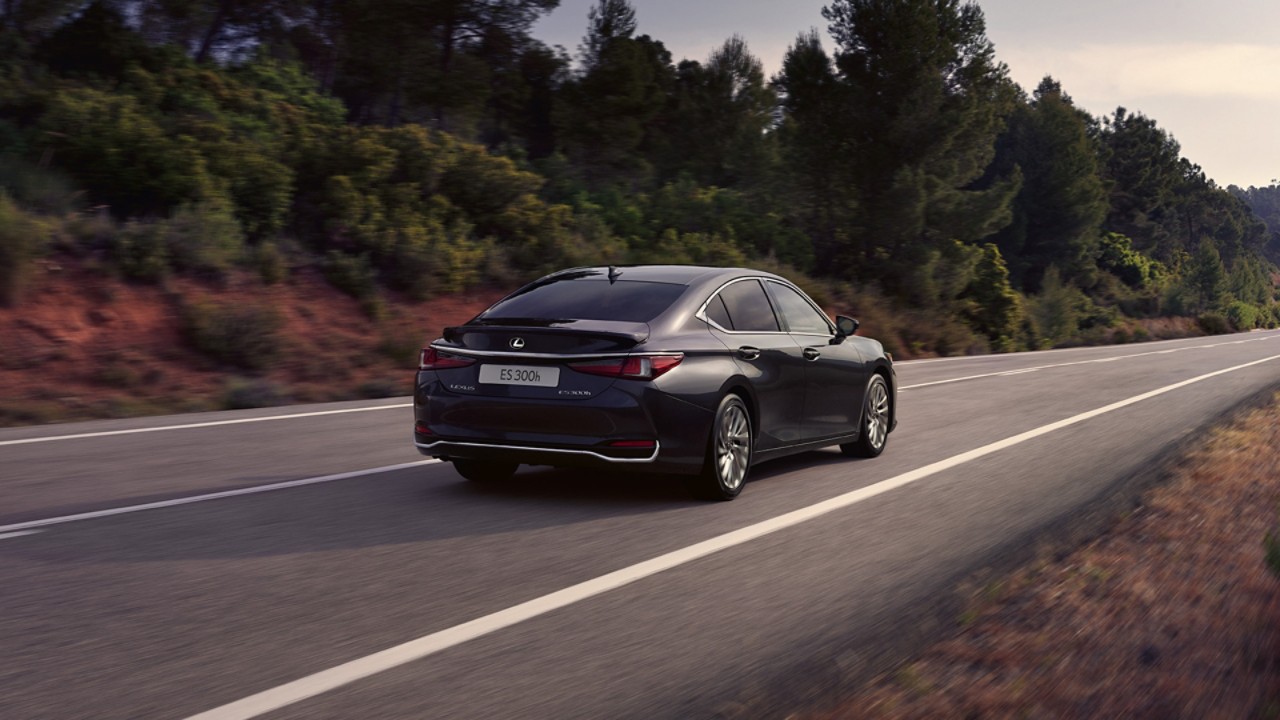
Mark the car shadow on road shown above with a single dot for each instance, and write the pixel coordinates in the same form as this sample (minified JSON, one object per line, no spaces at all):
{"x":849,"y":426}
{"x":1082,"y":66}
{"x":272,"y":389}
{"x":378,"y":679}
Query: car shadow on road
{"x":430,"y":507}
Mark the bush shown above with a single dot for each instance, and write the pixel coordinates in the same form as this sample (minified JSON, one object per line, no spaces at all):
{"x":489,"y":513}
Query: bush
{"x":247,"y":393}
{"x":243,"y":336}
{"x":1243,"y":316}
{"x":1213,"y":323}
{"x":352,"y":274}
{"x":203,"y":238}
{"x":1055,"y":312}
{"x":270,"y":263}
{"x":20,"y":240}
{"x":38,"y":188}
{"x":141,"y":252}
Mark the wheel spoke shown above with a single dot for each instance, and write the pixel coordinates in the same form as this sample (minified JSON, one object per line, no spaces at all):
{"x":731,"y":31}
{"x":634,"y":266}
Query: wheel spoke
{"x":733,"y":447}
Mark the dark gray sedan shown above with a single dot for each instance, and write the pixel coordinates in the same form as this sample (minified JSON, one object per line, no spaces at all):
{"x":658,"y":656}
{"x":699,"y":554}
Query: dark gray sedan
{"x":693,"y":370}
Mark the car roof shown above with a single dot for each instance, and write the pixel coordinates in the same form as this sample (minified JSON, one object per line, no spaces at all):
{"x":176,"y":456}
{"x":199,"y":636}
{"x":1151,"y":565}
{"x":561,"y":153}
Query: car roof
{"x":678,"y":274}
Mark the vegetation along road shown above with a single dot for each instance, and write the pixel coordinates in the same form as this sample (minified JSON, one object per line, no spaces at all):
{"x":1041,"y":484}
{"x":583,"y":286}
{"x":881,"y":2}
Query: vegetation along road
{"x":304,"y":563}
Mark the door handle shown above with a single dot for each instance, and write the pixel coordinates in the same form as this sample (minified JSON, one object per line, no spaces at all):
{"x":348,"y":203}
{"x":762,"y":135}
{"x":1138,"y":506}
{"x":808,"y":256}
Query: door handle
{"x":811,"y":354}
{"x":746,"y":352}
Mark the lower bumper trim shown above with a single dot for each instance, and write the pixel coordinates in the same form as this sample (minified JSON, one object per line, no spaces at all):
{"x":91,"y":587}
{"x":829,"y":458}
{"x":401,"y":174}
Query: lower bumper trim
{"x":427,"y":447}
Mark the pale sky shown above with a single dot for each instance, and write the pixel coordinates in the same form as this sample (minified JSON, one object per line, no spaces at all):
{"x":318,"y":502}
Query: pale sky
{"x":1207,"y":72}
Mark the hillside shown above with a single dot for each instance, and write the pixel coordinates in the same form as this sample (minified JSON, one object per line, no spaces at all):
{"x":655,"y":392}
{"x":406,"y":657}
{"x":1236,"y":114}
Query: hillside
{"x":85,"y":346}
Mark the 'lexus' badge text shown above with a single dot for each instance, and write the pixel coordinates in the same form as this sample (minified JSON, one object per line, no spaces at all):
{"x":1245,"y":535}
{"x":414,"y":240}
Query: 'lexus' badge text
{"x":517,"y":343}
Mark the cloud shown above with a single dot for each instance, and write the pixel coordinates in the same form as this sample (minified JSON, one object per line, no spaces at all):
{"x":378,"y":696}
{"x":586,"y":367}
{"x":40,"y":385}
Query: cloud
{"x":1155,"y":70}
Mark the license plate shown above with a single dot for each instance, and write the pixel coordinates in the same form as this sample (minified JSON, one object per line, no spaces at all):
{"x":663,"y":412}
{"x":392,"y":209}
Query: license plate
{"x":528,"y":375}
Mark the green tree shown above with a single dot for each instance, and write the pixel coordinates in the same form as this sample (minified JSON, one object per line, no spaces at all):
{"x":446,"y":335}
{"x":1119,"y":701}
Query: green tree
{"x":922,"y":99}
{"x":1059,"y":211}
{"x":1206,"y":279}
{"x":997,"y":308}
{"x":604,"y":121}
{"x":715,"y":128}
{"x":817,"y":148}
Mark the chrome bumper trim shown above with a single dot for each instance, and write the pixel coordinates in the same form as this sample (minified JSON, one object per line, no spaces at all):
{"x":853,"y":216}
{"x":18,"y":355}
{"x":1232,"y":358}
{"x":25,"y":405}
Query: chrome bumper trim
{"x":490,"y":446}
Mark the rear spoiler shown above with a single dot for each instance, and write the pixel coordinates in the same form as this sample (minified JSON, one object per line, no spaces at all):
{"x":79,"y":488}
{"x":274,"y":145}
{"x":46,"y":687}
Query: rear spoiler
{"x":635,"y":333}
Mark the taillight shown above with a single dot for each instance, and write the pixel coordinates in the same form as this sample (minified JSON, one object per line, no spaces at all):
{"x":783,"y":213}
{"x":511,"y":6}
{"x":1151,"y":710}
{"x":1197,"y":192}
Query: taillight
{"x":432,"y":359}
{"x":643,"y":367}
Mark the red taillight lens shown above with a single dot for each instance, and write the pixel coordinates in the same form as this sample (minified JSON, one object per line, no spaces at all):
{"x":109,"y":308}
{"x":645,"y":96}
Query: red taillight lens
{"x":432,"y":359}
{"x":644,"y":367}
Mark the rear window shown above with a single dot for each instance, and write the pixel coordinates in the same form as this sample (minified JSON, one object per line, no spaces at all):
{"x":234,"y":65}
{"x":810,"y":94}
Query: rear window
{"x":588,"y":298}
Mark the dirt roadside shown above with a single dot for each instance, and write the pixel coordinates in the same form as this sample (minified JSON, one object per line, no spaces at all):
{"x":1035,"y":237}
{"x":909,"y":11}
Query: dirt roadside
{"x":1170,"y":613}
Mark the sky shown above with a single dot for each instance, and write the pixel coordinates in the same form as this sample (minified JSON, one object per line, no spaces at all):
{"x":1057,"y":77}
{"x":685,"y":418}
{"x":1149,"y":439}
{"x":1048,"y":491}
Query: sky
{"x":1207,"y":71}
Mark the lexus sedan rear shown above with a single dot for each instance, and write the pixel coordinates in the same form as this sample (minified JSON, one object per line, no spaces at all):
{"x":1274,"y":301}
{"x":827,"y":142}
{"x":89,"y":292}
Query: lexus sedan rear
{"x":699,"y":371}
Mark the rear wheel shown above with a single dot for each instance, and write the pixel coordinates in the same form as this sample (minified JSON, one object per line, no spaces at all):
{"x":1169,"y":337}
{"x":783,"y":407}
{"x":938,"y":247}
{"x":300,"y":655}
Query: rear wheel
{"x":728,"y":453}
{"x":874,"y":432}
{"x":485,"y":471}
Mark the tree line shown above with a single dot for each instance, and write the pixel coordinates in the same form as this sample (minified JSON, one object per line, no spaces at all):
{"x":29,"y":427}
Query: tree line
{"x":428,"y":145}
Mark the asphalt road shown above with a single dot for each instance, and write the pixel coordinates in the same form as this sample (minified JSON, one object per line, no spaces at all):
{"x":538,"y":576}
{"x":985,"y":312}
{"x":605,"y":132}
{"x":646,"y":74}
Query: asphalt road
{"x":380,"y":585}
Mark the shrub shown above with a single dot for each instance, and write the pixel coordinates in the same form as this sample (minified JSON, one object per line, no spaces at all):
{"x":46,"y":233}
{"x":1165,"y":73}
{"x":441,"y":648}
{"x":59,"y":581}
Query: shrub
{"x":243,"y":336}
{"x":352,"y":274}
{"x":141,"y":252}
{"x":19,"y":242}
{"x":1213,"y":323}
{"x":41,"y":189}
{"x":270,"y":263}
{"x":1055,"y":312}
{"x":998,"y":307}
{"x":1242,"y":315}
{"x":203,"y":238}
{"x":247,"y":393}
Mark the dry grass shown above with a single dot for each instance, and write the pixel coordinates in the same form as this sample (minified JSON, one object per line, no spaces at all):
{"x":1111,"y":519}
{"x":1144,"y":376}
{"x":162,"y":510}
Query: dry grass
{"x":1171,"y":614}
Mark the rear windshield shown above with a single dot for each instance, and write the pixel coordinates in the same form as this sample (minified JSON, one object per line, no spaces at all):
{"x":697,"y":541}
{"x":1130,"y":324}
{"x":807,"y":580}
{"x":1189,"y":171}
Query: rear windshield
{"x":587,"y":298}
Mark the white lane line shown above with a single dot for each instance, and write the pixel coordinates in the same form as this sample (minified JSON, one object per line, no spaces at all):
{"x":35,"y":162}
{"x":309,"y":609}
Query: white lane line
{"x":1263,"y":335}
{"x":326,"y":680}
{"x":6,"y":536}
{"x":213,"y":423}
{"x":1019,"y":371}
{"x":212,"y":496}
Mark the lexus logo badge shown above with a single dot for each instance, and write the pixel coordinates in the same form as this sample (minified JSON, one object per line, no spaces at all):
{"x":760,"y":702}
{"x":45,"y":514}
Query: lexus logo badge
{"x":517,"y":343}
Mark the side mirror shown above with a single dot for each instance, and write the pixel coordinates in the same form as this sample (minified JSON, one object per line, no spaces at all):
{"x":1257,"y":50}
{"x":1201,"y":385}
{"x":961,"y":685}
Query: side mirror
{"x":845,"y":326}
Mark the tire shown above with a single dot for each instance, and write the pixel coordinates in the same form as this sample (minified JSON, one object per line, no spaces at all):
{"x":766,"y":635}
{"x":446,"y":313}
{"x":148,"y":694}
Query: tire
{"x":874,"y":433}
{"x":482,"y":471}
{"x":728,"y":452}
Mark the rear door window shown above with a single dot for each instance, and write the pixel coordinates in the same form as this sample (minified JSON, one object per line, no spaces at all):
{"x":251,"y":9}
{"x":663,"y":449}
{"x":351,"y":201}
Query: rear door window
{"x":718,"y":313}
{"x":748,"y":307}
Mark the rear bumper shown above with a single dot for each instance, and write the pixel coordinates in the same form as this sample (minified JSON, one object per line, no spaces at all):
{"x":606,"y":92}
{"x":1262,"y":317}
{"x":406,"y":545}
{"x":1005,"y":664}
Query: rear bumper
{"x":569,"y":433}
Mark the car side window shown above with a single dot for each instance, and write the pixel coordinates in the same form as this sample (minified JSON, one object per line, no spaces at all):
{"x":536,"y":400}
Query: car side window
{"x":748,"y":307}
{"x":718,"y":313}
{"x":799,"y":313}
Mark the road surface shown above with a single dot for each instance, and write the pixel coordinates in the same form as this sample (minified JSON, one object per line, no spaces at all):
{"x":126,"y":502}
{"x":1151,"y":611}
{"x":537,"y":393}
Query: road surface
{"x":306,"y":562}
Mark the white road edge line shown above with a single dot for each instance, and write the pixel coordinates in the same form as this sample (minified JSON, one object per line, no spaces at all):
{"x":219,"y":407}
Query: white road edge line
{"x":212,"y":423}
{"x":6,"y":536}
{"x":326,"y":680}
{"x":211,"y":496}
{"x":1264,"y":335}
{"x":1019,"y":371}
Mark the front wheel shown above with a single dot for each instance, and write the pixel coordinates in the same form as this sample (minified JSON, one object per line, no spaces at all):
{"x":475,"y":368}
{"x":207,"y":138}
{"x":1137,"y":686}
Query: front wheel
{"x":874,"y":432}
{"x":728,"y":452}
{"x":482,"y":471}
